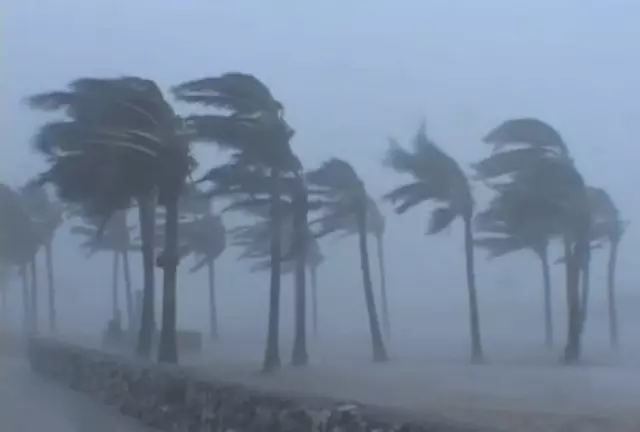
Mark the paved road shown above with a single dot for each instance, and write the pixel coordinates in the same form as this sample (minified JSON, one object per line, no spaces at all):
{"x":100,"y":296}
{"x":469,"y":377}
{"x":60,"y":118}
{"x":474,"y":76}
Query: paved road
{"x":30,"y":404}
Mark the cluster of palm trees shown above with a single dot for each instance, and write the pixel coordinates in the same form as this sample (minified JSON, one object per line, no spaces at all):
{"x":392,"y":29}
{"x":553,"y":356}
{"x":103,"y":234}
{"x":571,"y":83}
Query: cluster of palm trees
{"x":28,"y":225}
{"x":121,"y":146}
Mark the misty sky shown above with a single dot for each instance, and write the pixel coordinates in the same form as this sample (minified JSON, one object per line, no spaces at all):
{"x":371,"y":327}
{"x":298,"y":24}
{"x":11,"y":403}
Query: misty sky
{"x":351,"y":74}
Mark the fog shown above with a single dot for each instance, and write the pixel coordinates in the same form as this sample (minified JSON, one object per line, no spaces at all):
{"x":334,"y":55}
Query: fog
{"x":351,"y":75}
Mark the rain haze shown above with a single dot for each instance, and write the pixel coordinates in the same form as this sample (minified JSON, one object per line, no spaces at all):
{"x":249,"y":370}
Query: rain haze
{"x":351,"y":75}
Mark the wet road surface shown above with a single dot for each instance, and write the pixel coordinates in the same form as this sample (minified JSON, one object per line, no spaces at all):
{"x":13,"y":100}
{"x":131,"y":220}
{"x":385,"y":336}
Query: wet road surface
{"x":30,"y":404}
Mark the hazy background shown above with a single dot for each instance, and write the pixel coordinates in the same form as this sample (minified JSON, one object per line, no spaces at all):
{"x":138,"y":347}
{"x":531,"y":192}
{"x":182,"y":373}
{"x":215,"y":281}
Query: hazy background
{"x":351,"y":74}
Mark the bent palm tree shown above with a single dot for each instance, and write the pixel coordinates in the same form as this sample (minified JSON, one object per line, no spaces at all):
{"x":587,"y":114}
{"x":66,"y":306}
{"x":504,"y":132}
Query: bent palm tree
{"x":121,"y":143}
{"x":250,"y":122}
{"x":47,"y":215}
{"x":503,"y":233}
{"x":437,"y":177}
{"x":536,"y":161}
{"x":345,"y":199}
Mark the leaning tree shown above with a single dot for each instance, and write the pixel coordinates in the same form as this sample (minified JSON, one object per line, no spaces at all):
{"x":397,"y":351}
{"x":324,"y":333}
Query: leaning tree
{"x":121,"y":142}
{"x":246,"y":118}
{"x":437,"y":177}
{"x":503,"y":229}
{"x":531,"y":159}
{"x":344,"y":199}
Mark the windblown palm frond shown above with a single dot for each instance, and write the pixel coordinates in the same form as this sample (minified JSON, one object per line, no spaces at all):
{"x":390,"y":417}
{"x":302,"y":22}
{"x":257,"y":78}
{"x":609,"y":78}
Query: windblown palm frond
{"x":437,"y":177}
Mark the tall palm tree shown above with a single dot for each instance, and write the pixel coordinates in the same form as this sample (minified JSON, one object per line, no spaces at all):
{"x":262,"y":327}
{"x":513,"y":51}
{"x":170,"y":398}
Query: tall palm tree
{"x":606,"y":225}
{"x":48,"y":216}
{"x":121,"y":143}
{"x":438,"y":177}
{"x":536,"y":162}
{"x":249,"y":121}
{"x":344,"y":199}
{"x":503,"y":233}
{"x":19,"y":243}
{"x":254,"y":239}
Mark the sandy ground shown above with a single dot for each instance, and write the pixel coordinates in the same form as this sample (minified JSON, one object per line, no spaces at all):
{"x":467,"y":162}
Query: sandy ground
{"x":521,"y":388}
{"x":30,"y":404}
{"x":525,"y":391}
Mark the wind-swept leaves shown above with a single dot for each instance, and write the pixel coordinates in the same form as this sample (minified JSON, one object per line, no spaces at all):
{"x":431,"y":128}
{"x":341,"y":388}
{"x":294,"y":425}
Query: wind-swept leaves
{"x":441,"y":218}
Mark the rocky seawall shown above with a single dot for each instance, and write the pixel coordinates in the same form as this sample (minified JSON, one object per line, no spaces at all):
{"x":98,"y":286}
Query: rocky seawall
{"x":175,"y":399}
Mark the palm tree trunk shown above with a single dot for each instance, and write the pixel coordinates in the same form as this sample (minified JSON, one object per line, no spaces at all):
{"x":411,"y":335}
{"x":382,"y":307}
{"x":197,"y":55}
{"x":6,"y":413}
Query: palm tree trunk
{"x":611,"y":294}
{"x":476,"y":344}
{"x":26,"y":302}
{"x":572,"y":265}
{"x":53,"y":316}
{"x":168,"y":349}
{"x":383,"y":287}
{"x":126,"y":264}
{"x":586,"y":270}
{"x":272,"y":352}
{"x":213,"y":313}
{"x":314,"y":298}
{"x":300,"y":356}
{"x":146,"y":210}
{"x":548,"y":312}
{"x":115,"y":295}
{"x":34,"y":295}
{"x":377,"y":344}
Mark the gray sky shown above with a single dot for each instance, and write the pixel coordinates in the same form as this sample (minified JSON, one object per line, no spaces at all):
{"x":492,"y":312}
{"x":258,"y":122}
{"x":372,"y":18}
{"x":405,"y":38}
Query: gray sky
{"x":352,"y":74}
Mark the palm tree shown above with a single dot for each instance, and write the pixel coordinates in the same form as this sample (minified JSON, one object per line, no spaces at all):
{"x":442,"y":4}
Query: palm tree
{"x":315,"y":258}
{"x":535,"y":159}
{"x":437,"y":177}
{"x":204,"y":236}
{"x":376,"y":226}
{"x":206,"y":240}
{"x":19,"y":243}
{"x":47,"y":215}
{"x":114,"y":237}
{"x":255,"y":240}
{"x":250,"y":122}
{"x":344,"y":199}
{"x":606,"y":225}
{"x":504,"y":233}
{"x":121,"y":143}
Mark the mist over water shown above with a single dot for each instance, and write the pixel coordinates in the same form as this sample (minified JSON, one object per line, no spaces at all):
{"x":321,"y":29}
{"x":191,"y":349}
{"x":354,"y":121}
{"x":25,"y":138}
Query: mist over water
{"x":351,"y":76}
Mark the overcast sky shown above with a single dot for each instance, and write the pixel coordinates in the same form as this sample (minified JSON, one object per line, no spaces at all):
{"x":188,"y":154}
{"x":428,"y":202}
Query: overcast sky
{"x":351,"y":74}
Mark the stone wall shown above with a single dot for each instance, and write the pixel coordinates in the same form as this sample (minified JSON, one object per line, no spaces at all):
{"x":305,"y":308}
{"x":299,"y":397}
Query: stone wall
{"x":176,"y":399}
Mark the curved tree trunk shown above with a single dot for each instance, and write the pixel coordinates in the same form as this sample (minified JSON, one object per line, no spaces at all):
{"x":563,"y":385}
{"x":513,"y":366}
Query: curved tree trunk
{"x":377,"y":344}
{"x":474,"y":315}
{"x":383,"y":287}
{"x":611,"y":294}
{"x":126,"y":264}
{"x":168,"y":348}
{"x":115,"y":294}
{"x":548,"y":310}
{"x":213,"y":313}
{"x":26,"y":302}
{"x":146,"y":212}
{"x":314,"y":298}
{"x":34,"y":296}
{"x":300,"y":356}
{"x":574,"y":315}
{"x":53,"y":313}
{"x":272,"y":352}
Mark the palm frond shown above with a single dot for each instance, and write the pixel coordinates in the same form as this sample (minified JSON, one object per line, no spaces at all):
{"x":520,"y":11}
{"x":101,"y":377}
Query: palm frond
{"x":440,"y":219}
{"x":500,"y":246}
{"x":530,"y":131}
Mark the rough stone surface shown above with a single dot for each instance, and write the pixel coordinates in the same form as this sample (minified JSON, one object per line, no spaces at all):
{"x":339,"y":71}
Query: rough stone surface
{"x":176,"y":399}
